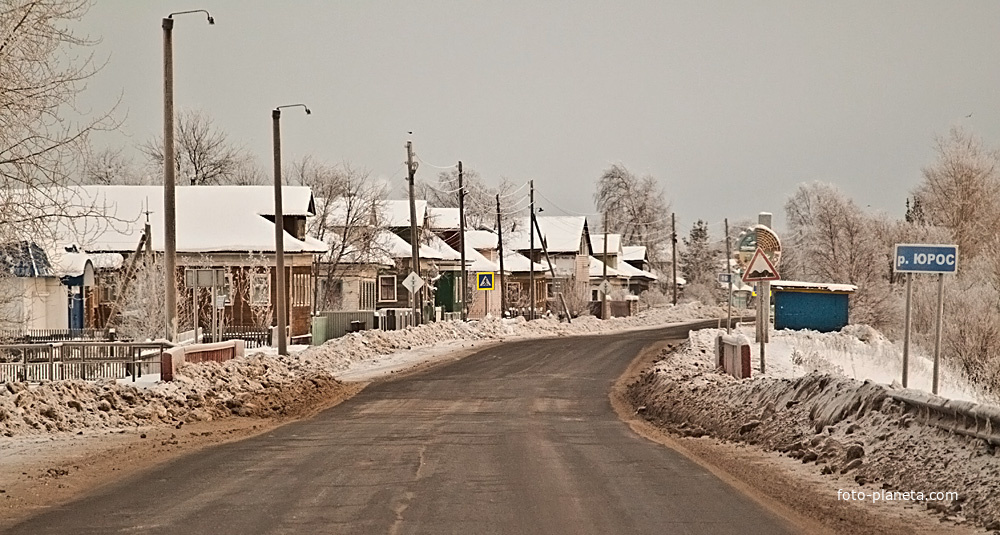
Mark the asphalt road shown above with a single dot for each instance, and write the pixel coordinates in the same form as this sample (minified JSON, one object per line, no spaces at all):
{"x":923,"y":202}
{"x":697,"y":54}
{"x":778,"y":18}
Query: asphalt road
{"x":519,"y":438}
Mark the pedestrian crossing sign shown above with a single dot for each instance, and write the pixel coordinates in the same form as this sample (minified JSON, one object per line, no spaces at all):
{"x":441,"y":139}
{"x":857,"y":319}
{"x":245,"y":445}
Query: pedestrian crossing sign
{"x":484,"y":280}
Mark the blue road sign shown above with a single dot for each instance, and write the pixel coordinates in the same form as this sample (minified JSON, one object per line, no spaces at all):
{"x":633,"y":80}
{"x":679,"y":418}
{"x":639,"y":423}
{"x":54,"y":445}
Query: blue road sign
{"x":484,"y":280}
{"x":922,"y":258}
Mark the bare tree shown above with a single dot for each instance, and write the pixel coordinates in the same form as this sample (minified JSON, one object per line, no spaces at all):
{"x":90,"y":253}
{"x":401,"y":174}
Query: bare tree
{"x":248,"y":172}
{"x":349,"y":217}
{"x":961,"y":190}
{"x":480,"y":197}
{"x":636,"y":208}
{"x":43,"y":67}
{"x":835,"y":241}
{"x":110,"y":166}
{"x":205,"y":155}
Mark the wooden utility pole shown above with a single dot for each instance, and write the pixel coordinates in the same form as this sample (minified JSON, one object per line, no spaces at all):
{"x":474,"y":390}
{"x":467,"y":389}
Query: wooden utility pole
{"x":552,"y":272}
{"x":503,"y":278}
{"x":531,"y":252}
{"x":673,"y":250}
{"x":729,"y":269}
{"x":414,"y":237}
{"x":604,"y":275}
{"x":461,"y":243}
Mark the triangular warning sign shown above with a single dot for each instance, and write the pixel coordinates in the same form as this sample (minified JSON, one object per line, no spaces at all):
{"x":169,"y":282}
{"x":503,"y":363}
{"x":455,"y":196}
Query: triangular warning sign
{"x":760,"y":269}
{"x":485,"y":280}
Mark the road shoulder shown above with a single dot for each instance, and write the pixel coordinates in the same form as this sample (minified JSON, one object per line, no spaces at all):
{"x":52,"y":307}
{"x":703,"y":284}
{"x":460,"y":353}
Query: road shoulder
{"x":774,"y":481}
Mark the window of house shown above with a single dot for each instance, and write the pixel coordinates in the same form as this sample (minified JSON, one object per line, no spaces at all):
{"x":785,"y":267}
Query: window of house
{"x":367,"y":298}
{"x":108,"y":293}
{"x":550,"y":290}
{"x":260,"y":289}
{"x":595,"y":295}
{"x":227,"y":288}
{"x":387,"y":288}
{"x":301,"y":290}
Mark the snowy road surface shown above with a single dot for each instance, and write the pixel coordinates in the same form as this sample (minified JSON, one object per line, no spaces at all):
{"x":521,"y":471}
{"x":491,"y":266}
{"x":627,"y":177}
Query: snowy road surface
{"x":518,"y":438}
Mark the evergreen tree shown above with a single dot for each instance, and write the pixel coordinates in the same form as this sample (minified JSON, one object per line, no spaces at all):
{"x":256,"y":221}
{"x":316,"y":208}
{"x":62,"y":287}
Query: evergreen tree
{"x":698,"y":261}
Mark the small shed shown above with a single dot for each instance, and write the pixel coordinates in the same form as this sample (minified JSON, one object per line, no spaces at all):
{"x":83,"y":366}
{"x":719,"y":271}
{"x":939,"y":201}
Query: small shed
{"x":811,"y":305}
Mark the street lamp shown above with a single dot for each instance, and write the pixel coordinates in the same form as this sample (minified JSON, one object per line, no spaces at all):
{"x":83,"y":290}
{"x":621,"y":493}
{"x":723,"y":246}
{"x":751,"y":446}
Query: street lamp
{"x":279,"y":228}
{"x":169,"y":204}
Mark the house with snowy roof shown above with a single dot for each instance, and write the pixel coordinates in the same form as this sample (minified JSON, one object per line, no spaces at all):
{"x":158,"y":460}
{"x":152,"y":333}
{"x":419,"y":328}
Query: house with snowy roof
{"x":43,"y":289}
{"x":230,"y":228}
{"x":567,"y":241}
{"x":626,"y":275}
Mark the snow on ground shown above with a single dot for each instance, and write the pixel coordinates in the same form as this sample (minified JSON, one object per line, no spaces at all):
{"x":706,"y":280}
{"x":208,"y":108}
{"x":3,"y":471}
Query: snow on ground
{"x":858,"y":351}
{"x":263,"y":383}
{"x":821,"y":403}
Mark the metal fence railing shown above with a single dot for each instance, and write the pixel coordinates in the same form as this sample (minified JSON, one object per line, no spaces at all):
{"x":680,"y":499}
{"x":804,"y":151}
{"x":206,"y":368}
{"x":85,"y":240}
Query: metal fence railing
{"x":253,"y":339}
{"x":30,"y":336}
{"x":394,"y":319}
{"x":79,"y":360}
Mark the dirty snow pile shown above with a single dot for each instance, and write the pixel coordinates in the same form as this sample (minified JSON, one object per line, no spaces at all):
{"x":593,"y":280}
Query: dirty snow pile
{"x":262,"y":384}
{"x":851,"y":431}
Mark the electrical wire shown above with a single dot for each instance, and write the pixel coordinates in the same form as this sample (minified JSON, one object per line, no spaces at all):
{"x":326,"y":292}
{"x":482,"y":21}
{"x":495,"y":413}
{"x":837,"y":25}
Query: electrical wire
{"x":421,"y":160}
{"x":561,"y":209}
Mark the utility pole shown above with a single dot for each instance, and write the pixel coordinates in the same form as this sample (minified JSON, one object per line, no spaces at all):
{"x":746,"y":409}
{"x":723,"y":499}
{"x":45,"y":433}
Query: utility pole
{"x":279,"y":237}
{"x":552,"y":272}
{"x":461,"y":242}
{"x":414,"y":237}
{"x":673,"y":251}
{"x":531,"y":252}
{"x":169,"y":202}
{"x":604,"y":275}
{"x":503,"y":278}
{"x":729,"y":269}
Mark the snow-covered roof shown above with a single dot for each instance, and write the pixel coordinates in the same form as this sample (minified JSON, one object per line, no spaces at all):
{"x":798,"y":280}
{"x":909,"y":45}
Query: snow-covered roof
{"x":443,"y":218}
{"x":597,"y":269}
{"x":633,"y":252}
{"x":632,"y":272}
{"x":69,"y":261}
{"x":396,"y":213}
{"x":447,"y":252}
{"x":562,"y":234}
{"x":821,"y":286}
{"x":25,"y":259}
{"x":107,"y":260}
{"x":481,"y":239}
{"x":514,"y":262}
{"x":209,"y":218}
{"x":614,"y":243}
{"x":391,"y":244}
{"x":478,"y":262}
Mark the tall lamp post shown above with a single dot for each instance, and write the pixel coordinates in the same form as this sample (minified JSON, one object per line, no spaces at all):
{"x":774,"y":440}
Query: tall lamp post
{"x":279,"y":229}
{"x":169,"y":204}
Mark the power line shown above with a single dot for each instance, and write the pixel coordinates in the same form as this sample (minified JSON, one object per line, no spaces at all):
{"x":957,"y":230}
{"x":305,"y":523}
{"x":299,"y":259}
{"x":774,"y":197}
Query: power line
{"x":563,"y":210}
{"x":421,"y":160}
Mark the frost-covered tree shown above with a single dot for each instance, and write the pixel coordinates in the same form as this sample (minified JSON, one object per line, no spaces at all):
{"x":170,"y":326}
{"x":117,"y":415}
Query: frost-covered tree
{"x":43,"y":67}
{"x":961,"y":190}
{"x":480,"y":197}
{"x":835,"y":241}
{"x":636,"y":208}
{"x":349,"y":216}
{"x":204,"y":154}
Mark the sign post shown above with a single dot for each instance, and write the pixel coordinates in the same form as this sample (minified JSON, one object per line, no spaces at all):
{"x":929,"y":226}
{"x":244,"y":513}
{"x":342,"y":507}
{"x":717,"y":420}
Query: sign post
{"x":761,"y":270}
{"x":913,"y":258}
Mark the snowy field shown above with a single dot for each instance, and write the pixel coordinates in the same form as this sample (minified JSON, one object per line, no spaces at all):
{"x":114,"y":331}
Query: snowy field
{"x":858,"y":352}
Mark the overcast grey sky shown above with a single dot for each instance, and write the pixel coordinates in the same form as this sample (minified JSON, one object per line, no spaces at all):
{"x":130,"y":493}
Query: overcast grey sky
{"x":728,"y":104}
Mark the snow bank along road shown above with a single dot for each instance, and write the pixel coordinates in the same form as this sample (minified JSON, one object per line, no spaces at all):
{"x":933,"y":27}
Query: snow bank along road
{"x":518,"y":438}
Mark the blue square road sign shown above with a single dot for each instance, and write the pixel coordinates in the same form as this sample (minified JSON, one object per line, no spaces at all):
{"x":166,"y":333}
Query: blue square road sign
{"x":484,"y":280}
